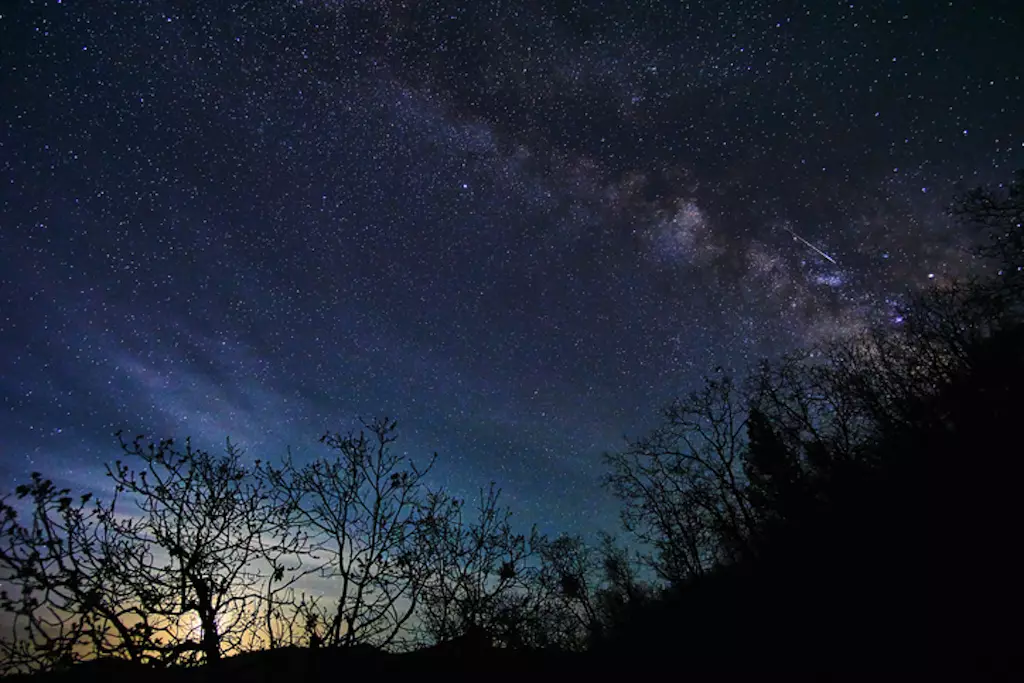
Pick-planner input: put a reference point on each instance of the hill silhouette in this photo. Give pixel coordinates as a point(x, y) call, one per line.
point(845, 508)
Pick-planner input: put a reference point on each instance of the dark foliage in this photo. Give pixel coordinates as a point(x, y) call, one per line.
point(847, 508)
point(879, 471)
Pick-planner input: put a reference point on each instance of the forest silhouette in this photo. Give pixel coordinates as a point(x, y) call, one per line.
point(847, 507)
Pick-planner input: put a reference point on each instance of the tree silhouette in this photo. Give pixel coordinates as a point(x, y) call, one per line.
point(853, 454)
point(361, 511)
point(777, 487)
point(999, 213)
point(682, 486)
point(797, 519)
point(569, 580)
point(204, 524)
point(69, 600)
point(95, 581)
point(478, 568)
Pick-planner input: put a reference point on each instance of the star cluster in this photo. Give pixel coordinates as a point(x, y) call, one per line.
point(517, 227)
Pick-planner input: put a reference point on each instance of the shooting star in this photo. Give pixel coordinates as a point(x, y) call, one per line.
point(819, 251)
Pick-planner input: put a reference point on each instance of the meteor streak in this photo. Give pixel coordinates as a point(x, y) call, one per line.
point(819, 251)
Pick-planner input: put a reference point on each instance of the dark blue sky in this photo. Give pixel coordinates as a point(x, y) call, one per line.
point(518, 228)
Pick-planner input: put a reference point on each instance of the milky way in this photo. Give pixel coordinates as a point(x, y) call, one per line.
point(518, 228)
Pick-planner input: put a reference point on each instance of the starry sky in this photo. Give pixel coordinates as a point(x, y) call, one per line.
point(517, 227)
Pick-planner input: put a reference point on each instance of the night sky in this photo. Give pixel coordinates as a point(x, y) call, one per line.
point(517, 227)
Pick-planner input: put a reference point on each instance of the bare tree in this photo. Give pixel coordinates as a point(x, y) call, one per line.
point(64, 598)
point(204, 524)
point(1000, 214)
point(809, 403)
point(682, 485)
point(570, 582)
point(361, 510)
point(479, 569)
